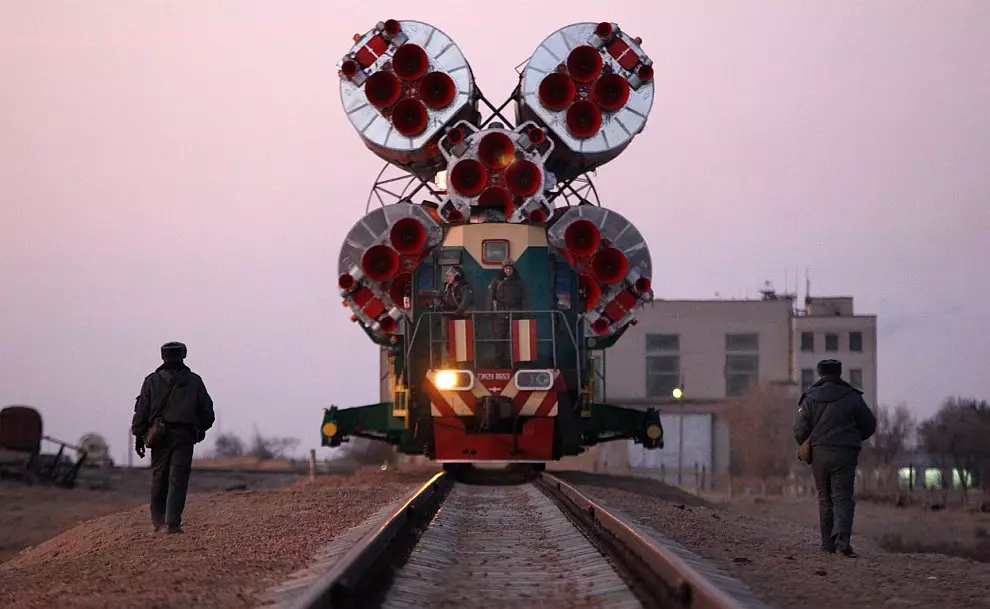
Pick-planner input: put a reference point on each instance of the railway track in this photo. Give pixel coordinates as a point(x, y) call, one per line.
point(541, 543)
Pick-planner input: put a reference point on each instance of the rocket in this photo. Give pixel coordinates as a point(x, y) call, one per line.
point(585, 93)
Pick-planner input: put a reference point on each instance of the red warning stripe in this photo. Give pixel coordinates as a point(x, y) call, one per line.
point(437, 399)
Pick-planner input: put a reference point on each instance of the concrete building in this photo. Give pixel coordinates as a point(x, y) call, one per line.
point(712, 350)
point(829, 328)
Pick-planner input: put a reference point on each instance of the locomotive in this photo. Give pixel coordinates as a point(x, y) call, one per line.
point(485, 383)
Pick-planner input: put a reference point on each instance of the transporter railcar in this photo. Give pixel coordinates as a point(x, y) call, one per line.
point(489, 384)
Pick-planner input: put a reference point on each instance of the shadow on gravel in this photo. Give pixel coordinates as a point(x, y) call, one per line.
point(979, 550)
point(646, 487)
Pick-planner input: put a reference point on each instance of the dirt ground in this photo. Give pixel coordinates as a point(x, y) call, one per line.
point(237, 544)
point(772, 546)
point(32, 514)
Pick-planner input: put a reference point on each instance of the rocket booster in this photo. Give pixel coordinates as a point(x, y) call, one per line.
point(400, 84)
point(591, 87)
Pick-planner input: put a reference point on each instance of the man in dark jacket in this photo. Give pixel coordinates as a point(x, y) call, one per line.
point(456, 296)
point(177, 396)
point(507, 293)
point(835, 420)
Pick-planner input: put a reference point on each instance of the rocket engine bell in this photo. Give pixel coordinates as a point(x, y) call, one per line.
point(496, 171)
point(613, 262)
point(401, 84)
point(591, 87)
point(377, 259)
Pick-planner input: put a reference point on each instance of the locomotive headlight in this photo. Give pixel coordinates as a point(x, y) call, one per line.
point(534, 380)
point(447, 380)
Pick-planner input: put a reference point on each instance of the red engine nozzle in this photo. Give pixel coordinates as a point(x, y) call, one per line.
point(468, 177)
point(537, 215)
point(408, 236)
point(496, 150)
point(592, 291)
point(584, 63)
point(523, 178)
point(349, 68)
point(609, 265)
point(582, 237)
point(600, 326)
point(399, 290)
point(380, 262)
point(536, 136)
point(437, 90)
point(584, 119)
point(645, 73)
point(409, 117)
point(382, 89)
point(643, 285)
point(346, 282)
point(387, 324)
point(410, 62)
point(603, 29)
point(392, 27)
point(455, 136)
point(498, 198)
point(610, 92)
point(556, 91)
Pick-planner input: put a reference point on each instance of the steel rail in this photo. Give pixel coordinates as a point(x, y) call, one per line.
point(655, 575)
point(361, 576)
point(662, 576)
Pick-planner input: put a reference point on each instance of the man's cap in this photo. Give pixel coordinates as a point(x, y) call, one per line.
point(173, 351)
point(508, 262)
point(828, 367)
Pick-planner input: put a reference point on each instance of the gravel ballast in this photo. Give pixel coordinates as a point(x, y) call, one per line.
point(780, 560)
point(236, 545)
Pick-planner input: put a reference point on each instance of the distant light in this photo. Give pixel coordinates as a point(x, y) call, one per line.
point(441, 180)
point(678, 394)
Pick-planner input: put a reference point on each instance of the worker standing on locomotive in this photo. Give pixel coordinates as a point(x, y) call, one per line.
point(173, 413)
point(456, 296)
point(506, 293)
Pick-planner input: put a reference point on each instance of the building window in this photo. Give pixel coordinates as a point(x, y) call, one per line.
point(742, 342)
point(807, 379)
point(741, 371)
point(856, 377)
point(808, 341)
point(831, 342)
point(856, 341)
point(663, 365)
point(663, 342)
point(663, 373)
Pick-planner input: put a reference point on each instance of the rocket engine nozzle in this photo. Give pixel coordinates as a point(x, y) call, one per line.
point(409, 117)
point(610, 92)
point(496, 150)
point(387, 324)
point(345, 281)
point(556, 91)
point(468, 177)
point(523, 178)
point(380, 262)
point(584, 119)
point(584, 63)
point(437, 90)
point(382, 89)
point(399, 290)
point(582, 238)
point(592, 291)
point(496, 197)
point(600, 326)
point(609, 265)
point(410, 62)
point(408, 236)
point(643, 285)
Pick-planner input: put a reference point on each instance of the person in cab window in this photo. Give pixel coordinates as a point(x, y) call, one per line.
point(507, 292)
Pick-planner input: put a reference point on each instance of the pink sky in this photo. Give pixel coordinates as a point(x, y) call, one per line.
point(184, 171)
